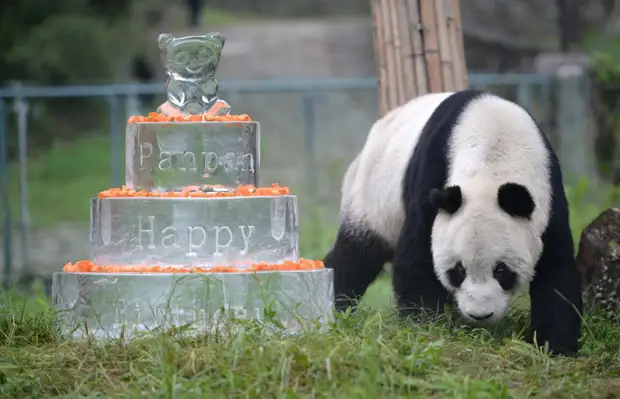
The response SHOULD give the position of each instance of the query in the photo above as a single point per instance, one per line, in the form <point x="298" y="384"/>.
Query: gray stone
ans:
<point x="598" y="259"/>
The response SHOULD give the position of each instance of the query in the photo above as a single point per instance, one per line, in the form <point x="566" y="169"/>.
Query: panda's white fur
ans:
<point x="489" y="142"/>
<point x="495" y="141"/>
<point x="372" y="186"/>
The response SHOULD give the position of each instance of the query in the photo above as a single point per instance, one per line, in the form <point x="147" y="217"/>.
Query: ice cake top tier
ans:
<point x="192" y="139"/>
<point x="171" y="155"/>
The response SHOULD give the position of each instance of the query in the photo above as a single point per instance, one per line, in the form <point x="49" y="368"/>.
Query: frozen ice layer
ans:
<point x="205" y="232"/>
<point x="171" y="155"/>
<point x="192" y="240"/>
<point x="113" y="305"/>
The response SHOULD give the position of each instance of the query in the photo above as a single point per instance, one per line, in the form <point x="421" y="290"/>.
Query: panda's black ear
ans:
<point x="448" y="199"/>
<point x="515" y="200"/>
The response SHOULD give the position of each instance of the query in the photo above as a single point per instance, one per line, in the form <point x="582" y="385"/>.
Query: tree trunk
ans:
<point x="569" y="23"/>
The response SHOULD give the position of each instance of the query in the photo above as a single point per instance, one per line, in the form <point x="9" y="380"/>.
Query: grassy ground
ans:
<point x="367" y="355"/>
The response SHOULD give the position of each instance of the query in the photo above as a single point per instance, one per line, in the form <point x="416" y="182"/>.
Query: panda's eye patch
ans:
<point x="457" y="275"/>
<point x="504" y="276"/>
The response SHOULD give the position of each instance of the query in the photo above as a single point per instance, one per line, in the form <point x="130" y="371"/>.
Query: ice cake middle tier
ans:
<point x="170" y="155"/>
<point x="207" y="232"/>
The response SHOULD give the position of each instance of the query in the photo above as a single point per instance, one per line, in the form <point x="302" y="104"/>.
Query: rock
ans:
<point x="598" y="259"/>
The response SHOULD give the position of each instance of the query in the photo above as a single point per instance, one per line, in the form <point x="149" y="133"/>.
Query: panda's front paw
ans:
<point x="564" y="352"/>
<point x="557" y="347"/>
<point x="342" y="304"/>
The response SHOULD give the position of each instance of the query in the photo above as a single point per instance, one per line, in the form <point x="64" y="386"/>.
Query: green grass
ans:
<point x="62" y="181"/>
<point x="366" y="355"/>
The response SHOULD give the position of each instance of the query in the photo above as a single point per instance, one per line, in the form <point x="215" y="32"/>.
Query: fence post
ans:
<point x="20" y="106"/>
<point x="132" y="103"/>
<point x="309" y="113"/>
<point x="574" y="125"/>
<point x="5" y="197"/>
<point x="115" y="141"/>
<point x="524" y="96"/>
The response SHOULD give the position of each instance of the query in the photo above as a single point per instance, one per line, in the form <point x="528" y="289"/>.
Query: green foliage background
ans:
<point x="46" y="40"/>
<point x="65" y="42"/>
<point x="604" y="53"/>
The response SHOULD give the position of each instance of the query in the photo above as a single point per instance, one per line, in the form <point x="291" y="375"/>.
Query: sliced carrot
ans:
<point x="197" y="192"/>
<point x="86" y="266"/>
<point x="157" y="117"/>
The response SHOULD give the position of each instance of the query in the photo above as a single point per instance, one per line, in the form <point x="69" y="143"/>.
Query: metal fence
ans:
<point x="323" y="123"/>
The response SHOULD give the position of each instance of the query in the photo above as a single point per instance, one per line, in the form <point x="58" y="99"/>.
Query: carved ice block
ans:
<point x="190" y="63"/>
<point x="171" y="155"/>
<point x="220" y="231"/>
<point x="110" y="305"/>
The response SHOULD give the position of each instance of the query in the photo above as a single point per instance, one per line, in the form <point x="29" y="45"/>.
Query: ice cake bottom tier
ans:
<point x="125" y="305"/>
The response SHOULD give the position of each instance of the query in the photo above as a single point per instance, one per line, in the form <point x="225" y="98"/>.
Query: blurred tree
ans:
<point x="60" y="42"/>
<point x="612" y="9"/>
<point x="65" y="48"/>
<point x="602" y="43"/>
<point x="195" y="7"/>
<point x="569" y="21"/>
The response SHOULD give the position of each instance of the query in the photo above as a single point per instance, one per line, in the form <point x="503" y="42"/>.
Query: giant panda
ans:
<point x="463" y="194"/>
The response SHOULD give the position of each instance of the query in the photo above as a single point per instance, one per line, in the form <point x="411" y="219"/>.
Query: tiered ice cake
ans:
<point x="191" y="237"/>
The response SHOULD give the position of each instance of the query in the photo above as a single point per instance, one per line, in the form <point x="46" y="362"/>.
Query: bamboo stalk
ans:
<point x="398" y="59"/>
<point x="417" y="44"/>
<point x="380" y="56"/>
<point x="407" y="53"/>
<point x="431" y="46"/>
<point x="390" y="55"/>
<point x="460" y="45"/>
<point x="445" y="56"/>
<point x="456" y="61"/>
<point x="419" y="49"/>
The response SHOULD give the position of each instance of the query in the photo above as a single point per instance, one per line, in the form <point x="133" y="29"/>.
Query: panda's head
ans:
<point x="484" y="247"/>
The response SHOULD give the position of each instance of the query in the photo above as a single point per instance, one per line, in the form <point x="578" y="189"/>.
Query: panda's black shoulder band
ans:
<point x="448" y="199"/>
<point x="516" y="200"/>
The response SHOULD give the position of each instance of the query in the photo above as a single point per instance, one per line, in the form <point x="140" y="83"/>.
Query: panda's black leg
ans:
<point x="357" y="258"/>
<point x="556" y="295"/>
<point x="416" y="286"/>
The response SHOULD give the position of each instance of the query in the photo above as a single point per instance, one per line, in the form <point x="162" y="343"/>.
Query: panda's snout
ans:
<point x="481" y="317"/>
